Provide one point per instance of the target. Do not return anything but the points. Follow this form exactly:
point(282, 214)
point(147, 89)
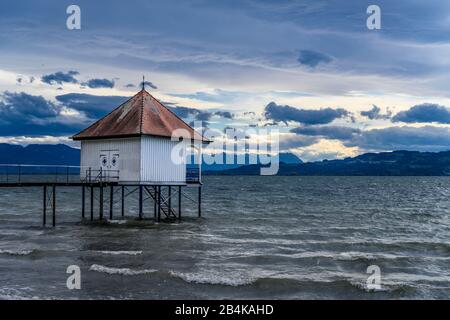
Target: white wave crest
point(120, 271)
point(117, 221)
point(130, 253)
point(18, 252)
point(214, 279)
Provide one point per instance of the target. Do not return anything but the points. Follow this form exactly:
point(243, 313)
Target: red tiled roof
point(140, 115)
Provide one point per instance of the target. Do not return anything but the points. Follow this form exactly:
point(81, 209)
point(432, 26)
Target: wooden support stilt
point(83, 196)
point(111, 201)
point(54, 206)
point(123, 201)
point(44, 209)
point(101, 202)
point(199, 201)
point(92, 203)
point(141, 213)
point(159, 203)
point(169, 199)
point(155, 203)
point(179, 203)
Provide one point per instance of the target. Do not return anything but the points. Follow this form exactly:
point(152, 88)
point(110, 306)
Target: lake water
point(259, 238)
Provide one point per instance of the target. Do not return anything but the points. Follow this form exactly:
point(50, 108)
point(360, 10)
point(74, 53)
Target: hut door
point(109, 163)
point(104, 160)
point(114, 163)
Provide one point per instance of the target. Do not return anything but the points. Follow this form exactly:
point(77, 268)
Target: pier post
point(44, 209)
point(169, 199)
point(92, 203)
point(140, 203)
point(179, 203)
point(155, 202)
point(199, 201)
point(111, 202)
point(54, 206)
point(159, 203)
point(83, 195)
point(101, 201)
point(123, 200)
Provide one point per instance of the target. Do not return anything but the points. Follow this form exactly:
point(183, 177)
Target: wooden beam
point(111, 201)
point(101, 202)
point(44, 209)
point(92, 203)
point(141, 213)
point(199, 201)
point(83, 196)
point(54, 206)
point(123, 200)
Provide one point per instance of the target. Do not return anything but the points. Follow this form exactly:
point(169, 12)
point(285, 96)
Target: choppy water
point(261, 237)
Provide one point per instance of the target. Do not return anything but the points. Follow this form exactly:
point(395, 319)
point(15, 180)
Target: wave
point(117, 221)
point(15, 294)
point(214, 279)
point(286, 282)
point(351, 256)
point(17, 252)
point(131, 253)
point(120, 271)
point(404, 244)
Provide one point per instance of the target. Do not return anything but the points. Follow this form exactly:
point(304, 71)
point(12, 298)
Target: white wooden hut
point(134, 144)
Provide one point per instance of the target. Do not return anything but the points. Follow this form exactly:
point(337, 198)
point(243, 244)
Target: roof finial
point(143, 82)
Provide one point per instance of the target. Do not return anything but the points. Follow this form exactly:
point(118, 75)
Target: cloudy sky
point(308, 68)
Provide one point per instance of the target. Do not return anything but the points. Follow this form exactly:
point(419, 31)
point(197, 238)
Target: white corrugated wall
point(157, 164)
point(129, 159)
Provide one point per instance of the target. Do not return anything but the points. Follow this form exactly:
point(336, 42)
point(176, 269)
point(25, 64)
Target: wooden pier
point(159, 197)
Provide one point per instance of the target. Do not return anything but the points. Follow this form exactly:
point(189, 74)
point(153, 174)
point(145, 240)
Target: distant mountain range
point(48, 154)
point(397, 163)
point(288, 158)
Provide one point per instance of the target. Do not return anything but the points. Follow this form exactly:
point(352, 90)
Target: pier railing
point(101, 175)
point(21, 173)
point(193, 175)
point(30, 173)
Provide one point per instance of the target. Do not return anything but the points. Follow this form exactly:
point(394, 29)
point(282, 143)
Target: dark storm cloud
point(130, 85)
point(428, 138)
point(60, 77)
point(296, 141)
point(308, 117)
point(330, 132)
point(99, 83)
point(197, 114)
point(93, 106)
point(185, 112)
point(25, 114)
point(224, 114)
point(375, 114)
point(148, 84)
point(424, 113)
point(16, 106)
point(312, 58)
